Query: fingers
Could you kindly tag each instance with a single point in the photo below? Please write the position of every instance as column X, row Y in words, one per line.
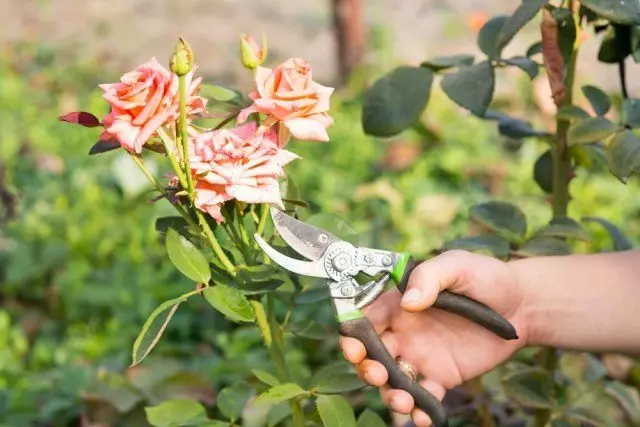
column 370, row 371
column 437, row 274
column 353, row 350
column 400, row 401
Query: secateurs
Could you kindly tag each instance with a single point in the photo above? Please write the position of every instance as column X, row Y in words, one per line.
column 339, row 262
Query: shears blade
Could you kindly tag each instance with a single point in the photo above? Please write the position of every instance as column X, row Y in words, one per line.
column 307, row 268
column 308, row 240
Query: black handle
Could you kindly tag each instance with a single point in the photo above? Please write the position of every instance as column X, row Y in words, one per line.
column 362, row 330
column 466, row 307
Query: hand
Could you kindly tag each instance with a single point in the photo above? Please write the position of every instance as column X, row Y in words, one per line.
column 445, row 349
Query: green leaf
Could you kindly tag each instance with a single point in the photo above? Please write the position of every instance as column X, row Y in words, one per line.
column 336, row 378
column 572, row 112
column 212, row 423
column 530, row 387
column 335, row 225
column 187, row 258
column 503, row 218
column 616, row 45
column 175, row 413
column 594, row 369
column 619, row 11
column 257, row 279
column 116, row 390
column 368, row 418
column 543, row 246
column 599, row 100
column 396, row 101
column 312, row 295
column 631, row 112
column 534, row 49
column 309, row 329
column 488, row 36
column 584, row 415
column 230, row 302
column 620, row 242
column 445, row 62
column 221, row 94
column 232, row 400
column 146, row 340
column 517, row 128
column 527, row 10
column 623, row 155
column 163, row 224
column 527, row 65
column 488, row 244
column 566, row 32
column 591, row 130
column 259, row 287
column 471, row 87
column 543, row 172
column 635, row 43
column 565, row 227
column 626, row 397
column 266, row 377
column 277, row 414
column 335, row 411
column 280, row 393
column 562, row 421
column 590, row 156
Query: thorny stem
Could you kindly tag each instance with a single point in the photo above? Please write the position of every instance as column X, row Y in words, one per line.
column 183, row 136
column 168, row 146
column 211, row 238
column 161, row 189
column 276, row 350
column 226, row 120
column 560, row 196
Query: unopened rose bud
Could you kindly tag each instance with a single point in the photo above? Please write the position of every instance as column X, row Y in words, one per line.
column 252, row 54
column 182, row 59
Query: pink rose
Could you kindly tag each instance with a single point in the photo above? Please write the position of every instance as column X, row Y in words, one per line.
column 237, row 164
column 143, row 100
column 288, row 95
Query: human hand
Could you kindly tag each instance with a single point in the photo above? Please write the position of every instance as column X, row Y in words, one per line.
column 445, row 349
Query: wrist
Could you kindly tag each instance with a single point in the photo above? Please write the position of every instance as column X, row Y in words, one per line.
column 533, row 312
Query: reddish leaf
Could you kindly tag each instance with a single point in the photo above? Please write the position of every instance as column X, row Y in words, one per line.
column 102, row 146
column 553, row 61
column 81, row 118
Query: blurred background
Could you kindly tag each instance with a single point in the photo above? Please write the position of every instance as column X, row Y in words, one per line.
column 81, row 266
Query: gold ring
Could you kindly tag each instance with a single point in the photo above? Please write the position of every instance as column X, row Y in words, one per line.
column 407, row 368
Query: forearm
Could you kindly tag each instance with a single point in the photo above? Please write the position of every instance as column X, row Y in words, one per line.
column 582, row 302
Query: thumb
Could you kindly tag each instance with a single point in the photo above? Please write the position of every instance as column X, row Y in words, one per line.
column 448, row 270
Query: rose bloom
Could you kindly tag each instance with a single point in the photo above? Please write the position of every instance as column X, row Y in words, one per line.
column 287, row 94
column 237, row 164
column 143, row 100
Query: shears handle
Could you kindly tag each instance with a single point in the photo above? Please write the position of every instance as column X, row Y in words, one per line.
column 362, row 330
column 464, row 306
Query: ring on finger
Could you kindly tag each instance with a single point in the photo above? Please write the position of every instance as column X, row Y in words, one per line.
column 407, row 368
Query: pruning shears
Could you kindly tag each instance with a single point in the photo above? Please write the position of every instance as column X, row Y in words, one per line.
column 339, row 262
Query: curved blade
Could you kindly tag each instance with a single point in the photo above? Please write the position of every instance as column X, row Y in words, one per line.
column 308, row 240
column 314, row 268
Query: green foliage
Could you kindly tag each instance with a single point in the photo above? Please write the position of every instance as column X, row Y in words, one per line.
column 335, row 411
column 81, row 265
column 187, row 258
column 396, row 101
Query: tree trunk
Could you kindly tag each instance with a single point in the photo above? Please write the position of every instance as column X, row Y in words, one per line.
column 350, row 35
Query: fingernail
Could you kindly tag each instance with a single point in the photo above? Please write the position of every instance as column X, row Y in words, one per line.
column 411, row 297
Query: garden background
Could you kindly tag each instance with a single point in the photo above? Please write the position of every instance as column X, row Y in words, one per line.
column 81, row 265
